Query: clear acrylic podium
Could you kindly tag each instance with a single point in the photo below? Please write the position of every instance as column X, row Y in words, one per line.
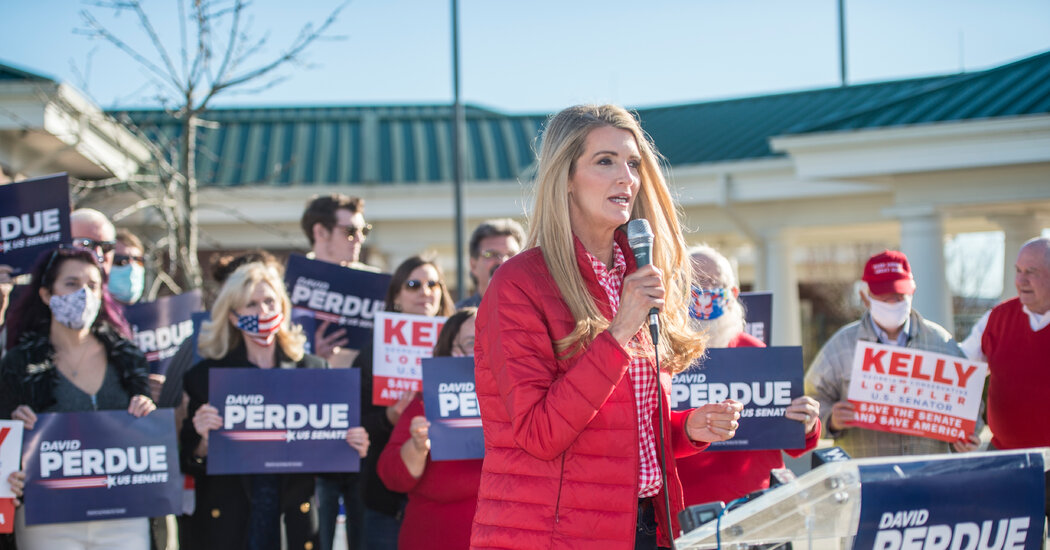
column 819, row 510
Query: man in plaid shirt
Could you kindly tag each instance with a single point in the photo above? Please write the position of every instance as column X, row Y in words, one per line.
column 889, row 320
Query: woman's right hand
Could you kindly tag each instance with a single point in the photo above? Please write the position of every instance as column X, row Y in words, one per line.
column 26, row 415
column 206, row 419
column 420, row 430
column 642, row 290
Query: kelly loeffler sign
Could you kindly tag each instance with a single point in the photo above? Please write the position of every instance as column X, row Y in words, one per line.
column 908, row 391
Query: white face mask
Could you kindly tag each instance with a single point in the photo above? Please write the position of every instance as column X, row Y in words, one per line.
column 76, row 310
column 890, row 316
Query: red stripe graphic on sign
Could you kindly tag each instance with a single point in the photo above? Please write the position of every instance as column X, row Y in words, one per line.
column 462, row 422
column 256, row 435
column 74, row 483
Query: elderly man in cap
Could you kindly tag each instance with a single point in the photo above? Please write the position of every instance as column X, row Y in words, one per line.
column 889, row 320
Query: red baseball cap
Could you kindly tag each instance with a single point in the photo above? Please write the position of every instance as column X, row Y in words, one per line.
column 888, row 272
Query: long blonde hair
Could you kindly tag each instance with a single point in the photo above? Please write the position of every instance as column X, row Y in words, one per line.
column 563, row 143
column 218, row 336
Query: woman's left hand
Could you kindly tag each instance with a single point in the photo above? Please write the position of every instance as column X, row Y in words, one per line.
column 806, row 410
column 714, row 421
column 17, row 481
column 358, row 439
column 141, row 406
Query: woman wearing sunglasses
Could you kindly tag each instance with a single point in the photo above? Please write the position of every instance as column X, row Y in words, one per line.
column 72, row 355
column 417, row 287
column 249, row 327
column 441, row 495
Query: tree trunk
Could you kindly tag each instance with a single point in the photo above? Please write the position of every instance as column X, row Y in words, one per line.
column 187, row 211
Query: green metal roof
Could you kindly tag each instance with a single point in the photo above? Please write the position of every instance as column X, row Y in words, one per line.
column 1015, row 89
column 351, row 145
column 375, row 145
column 9, row 73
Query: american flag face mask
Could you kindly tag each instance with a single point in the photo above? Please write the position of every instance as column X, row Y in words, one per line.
column 262, row 330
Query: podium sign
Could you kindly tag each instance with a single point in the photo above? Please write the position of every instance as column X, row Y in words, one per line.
column 989, row 500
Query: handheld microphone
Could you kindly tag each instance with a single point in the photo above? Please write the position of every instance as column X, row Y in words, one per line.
column 640, row 239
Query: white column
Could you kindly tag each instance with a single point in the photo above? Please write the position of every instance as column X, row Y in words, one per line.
column 922, row 240
column 1017, row 228
column 779, row 275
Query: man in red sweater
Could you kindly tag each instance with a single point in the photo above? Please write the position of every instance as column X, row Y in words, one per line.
column 1015, row 341
column 713, row 476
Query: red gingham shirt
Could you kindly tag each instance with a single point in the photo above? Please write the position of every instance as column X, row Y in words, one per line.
column 643, row 377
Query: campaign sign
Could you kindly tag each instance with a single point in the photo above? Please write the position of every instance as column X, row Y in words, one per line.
column 10, row 453
column 994, row 501
column 452, row 408
column 283, row 420
column 95, row 465
column 34, row 217
column 346, row 298
column 908, row 391
column 401, row 341
column 758, row 315
column 764, row 380
column 160, row 327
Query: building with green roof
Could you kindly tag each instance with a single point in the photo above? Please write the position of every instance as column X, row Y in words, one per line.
column 798, row 188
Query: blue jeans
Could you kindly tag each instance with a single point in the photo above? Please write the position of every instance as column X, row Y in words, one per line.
column 645, row 535
column 381, row 530
column 329, row 489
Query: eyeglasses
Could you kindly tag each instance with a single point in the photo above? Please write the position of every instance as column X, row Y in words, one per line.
column 416, row 284
column 490, row 254
column 124, row 259
column 91, row 244
column 352, row 231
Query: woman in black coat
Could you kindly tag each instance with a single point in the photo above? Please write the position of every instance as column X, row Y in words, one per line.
column 249, row 326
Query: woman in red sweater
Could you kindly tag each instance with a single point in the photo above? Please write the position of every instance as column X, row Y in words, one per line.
column 441, row 495
column 728, row 475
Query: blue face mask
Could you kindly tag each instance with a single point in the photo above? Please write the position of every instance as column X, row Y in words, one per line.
column 707, row 304
column 126, row 282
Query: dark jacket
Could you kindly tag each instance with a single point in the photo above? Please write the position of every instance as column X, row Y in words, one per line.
column 223, row 513
column 28, row 373
column 375, row 421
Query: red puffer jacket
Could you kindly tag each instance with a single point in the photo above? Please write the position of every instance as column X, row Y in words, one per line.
column 561, row 436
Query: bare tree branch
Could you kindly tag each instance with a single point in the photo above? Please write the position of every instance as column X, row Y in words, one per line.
column 97, row 30
column 307, row 35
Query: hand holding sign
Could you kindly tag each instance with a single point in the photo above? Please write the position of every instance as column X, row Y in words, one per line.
column 357, row 438
column 17, row 482
column 204, row 420
column 141, row 406
column 842, row 415
column 714, row 421
column 26, row 415
column 393, row 412
column 806, row 410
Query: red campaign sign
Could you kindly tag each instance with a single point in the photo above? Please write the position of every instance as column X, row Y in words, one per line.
column 913, row 392
column 7, row 515
column 401, row 341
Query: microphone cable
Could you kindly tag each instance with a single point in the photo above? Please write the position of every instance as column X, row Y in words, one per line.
column 655, row 333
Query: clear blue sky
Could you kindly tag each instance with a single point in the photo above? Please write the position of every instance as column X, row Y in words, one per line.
column 542, row 55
